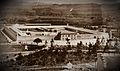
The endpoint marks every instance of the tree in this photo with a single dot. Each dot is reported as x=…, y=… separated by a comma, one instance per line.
x=94, y=49
x=46, y=42
x=79, y=45
x=19, y=57
x=37, y=40
x=89, y=48
x=52, y=41
x=97, y=44
x=28, y=33
x=68, y=42
x=116, y=46
x=55, y=30
x=106, y=47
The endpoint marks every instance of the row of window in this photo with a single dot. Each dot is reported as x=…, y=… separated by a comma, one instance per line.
x=63, y=37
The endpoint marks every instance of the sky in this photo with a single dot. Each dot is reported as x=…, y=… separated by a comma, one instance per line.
x=73, y=1
x=17, y=2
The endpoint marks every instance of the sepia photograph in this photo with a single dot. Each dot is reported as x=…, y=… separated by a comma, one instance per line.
x=60, y=35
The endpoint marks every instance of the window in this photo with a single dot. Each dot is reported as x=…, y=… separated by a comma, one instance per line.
x=62, y=36
x=68, y=35
x=71, y=36
x=74, y=36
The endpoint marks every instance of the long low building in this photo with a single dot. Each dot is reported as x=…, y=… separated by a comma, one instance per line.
x=26, y=34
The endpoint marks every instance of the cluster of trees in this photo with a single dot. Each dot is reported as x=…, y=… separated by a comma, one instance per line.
x=46, y=11
x=53, y=57
x=62, y=54
x=10, y=20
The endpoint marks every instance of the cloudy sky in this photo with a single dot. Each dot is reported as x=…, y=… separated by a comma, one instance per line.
x=73, y=1
x=58, y=1
x=17, y=2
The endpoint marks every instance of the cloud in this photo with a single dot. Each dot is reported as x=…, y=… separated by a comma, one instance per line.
x=76, y=1
x=13, y=2
x=67, y=1
x=109, y=1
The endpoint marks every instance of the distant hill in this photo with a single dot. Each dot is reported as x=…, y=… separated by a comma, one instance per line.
x=66, y=13
x=74, y=14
